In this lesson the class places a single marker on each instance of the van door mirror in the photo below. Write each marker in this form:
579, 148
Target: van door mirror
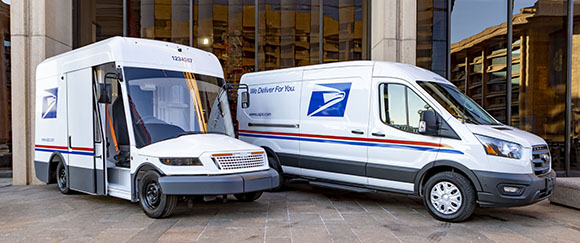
428, 123
105, 93
245, 99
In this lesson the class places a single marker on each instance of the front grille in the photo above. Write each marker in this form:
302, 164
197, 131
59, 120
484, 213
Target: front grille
239, 160
541, 160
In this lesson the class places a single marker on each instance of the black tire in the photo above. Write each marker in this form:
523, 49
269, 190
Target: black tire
62, 178
248, 196
154, 202
275, 164
445, 206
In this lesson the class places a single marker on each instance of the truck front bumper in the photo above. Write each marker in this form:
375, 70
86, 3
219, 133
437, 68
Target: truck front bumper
532, 188
220, 184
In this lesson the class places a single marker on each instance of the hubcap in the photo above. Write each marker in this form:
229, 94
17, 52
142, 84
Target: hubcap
62, 178
152, 194
446, 197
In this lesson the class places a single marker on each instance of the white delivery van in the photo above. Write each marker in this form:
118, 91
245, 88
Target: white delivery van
366, 125
142, 120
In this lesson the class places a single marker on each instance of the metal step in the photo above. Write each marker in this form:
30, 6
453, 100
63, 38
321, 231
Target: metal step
341, 187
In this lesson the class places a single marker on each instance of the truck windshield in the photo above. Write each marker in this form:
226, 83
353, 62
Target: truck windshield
166, 104
458, 104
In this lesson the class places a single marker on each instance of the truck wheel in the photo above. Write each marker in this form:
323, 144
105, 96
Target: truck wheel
248, 196
62, 178
275, 164
449, 196
152, 199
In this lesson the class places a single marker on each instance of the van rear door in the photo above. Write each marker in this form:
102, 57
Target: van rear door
397, 150
334, 123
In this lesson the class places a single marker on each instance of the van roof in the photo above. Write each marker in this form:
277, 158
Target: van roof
129, 51
380, 69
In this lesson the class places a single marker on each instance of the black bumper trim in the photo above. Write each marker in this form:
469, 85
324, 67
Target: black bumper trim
220, 184
535, 188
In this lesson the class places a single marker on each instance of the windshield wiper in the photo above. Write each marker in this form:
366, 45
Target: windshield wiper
466, 119
187, 133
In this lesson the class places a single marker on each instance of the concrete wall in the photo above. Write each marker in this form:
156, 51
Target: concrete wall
393, 30
39, 29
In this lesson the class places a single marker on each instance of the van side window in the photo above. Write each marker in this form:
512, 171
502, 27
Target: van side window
400, 107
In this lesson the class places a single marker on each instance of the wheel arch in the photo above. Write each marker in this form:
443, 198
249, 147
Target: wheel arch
141, 169
440, 166
55, 158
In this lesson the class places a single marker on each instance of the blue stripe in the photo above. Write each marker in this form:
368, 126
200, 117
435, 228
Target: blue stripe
385, 145
65, 152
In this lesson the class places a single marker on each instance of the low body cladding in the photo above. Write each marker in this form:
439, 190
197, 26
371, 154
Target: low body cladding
327, 128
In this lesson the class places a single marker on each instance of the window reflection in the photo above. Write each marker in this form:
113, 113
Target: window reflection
432, 35
166, 20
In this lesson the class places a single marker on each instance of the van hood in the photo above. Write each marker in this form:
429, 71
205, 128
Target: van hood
195, 145
507, 133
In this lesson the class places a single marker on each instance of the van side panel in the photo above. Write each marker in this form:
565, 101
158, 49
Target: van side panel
334, 123
273, 115
51, 124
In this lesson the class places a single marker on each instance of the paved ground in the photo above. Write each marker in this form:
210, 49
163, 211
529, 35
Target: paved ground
299, 214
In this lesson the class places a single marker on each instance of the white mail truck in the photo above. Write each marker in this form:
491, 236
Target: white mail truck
145, 121
367, 126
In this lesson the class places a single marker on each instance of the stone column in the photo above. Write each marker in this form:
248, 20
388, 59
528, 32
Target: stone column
39, 29
394, 30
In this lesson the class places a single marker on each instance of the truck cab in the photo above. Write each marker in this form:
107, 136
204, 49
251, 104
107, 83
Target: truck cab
145, 121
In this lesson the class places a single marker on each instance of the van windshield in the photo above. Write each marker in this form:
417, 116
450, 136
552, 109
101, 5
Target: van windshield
166, 104
458, 104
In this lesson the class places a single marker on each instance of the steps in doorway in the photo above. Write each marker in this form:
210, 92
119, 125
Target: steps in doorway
567, 192
5, 173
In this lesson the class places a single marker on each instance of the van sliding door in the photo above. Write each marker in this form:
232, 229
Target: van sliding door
81, 150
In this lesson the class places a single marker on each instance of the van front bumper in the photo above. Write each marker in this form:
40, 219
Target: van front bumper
220, 184
533, 188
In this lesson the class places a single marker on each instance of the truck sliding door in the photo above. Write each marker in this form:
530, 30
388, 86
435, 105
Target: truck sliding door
82, 164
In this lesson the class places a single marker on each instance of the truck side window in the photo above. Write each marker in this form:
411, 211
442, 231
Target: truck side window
400, 107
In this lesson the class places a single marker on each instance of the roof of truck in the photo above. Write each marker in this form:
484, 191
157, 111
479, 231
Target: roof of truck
129, 51
379, 69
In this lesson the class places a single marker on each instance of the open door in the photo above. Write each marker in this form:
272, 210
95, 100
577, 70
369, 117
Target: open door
85, 163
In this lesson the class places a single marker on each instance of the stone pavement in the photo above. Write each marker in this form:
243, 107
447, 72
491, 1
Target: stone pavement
299, 214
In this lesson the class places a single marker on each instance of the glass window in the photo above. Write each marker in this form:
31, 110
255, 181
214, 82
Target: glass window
401, 107
539, 73
166, 104
343, 27
432, 35
166, 20
96, 20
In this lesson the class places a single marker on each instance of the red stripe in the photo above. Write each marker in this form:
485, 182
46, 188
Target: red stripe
82, 149
64, 148
348, 138
51, 147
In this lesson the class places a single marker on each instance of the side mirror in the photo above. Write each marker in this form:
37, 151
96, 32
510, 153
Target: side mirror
245, 99
105, 93
428, 123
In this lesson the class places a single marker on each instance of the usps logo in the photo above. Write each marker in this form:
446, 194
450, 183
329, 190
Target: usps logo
49, 103
329, 100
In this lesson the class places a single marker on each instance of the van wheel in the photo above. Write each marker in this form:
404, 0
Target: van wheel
449, 196
248, 196
275, 164
62, 178
152, 199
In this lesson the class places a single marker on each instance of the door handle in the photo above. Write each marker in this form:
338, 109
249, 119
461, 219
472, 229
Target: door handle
357, 131
378, 134
69, 141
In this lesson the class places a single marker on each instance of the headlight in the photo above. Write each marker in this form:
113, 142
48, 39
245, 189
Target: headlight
497, 147
181, 161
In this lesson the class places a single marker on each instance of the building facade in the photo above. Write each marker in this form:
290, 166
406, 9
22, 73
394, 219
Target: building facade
523, 84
